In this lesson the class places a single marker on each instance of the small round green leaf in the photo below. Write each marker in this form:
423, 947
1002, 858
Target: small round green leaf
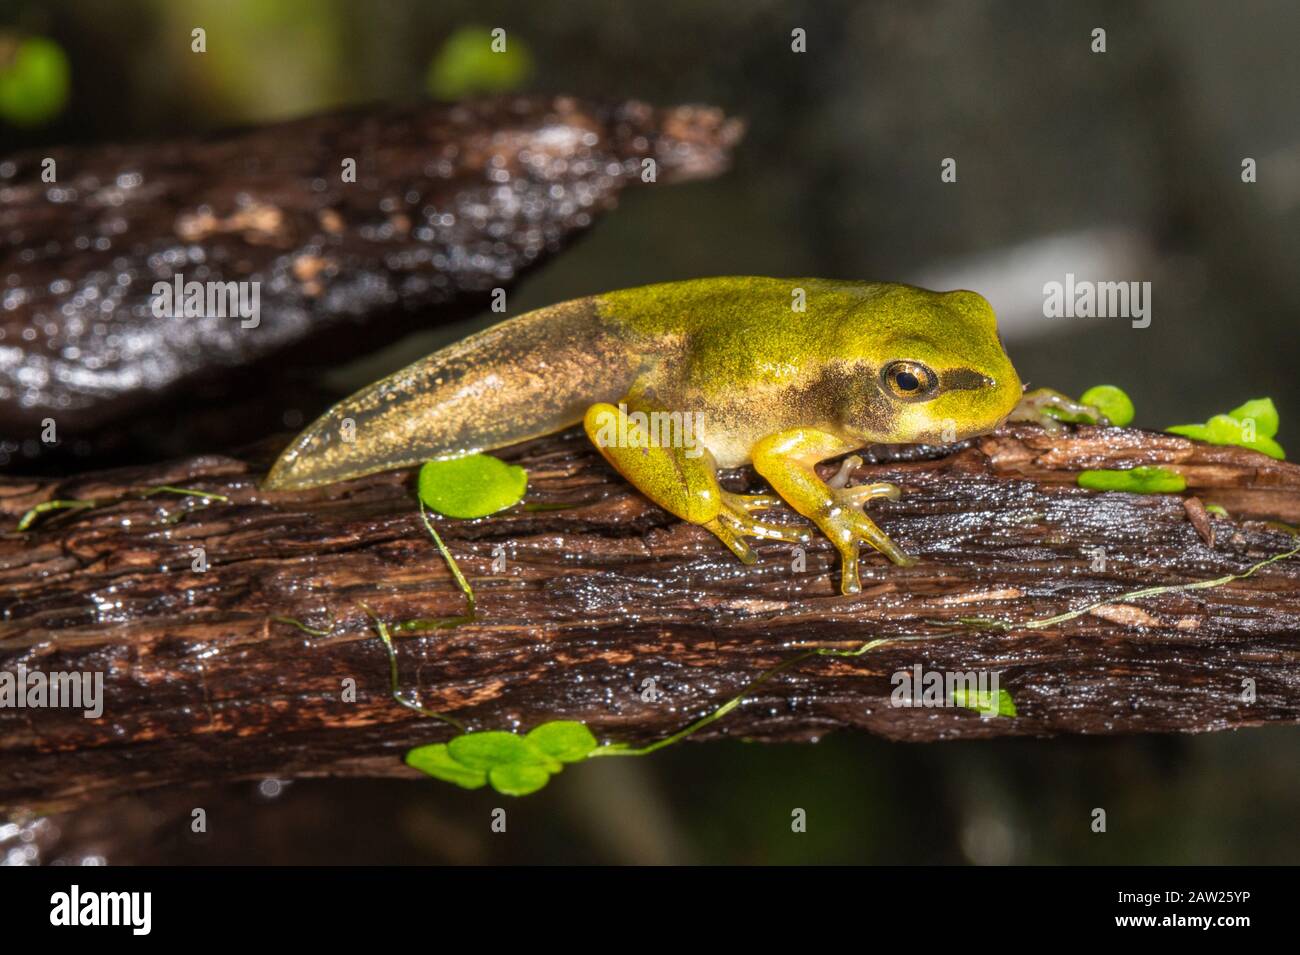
34, 83
490, 750
566, 740
1144, 480
472, 486
1110, 401
436, 760
474, 61
518, 780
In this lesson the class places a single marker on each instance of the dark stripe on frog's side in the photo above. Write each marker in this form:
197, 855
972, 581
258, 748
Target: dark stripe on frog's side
963, 379
846, 398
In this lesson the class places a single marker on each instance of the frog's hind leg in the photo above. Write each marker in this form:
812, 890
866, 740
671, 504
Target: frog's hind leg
681, 479
788, 460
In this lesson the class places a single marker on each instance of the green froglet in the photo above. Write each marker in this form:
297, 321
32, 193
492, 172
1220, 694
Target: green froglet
673, 381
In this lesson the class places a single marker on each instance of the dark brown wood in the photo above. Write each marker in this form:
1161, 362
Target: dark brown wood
597, 598
449, 201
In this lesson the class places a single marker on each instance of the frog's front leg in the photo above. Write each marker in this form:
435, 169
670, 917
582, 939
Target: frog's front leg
1034, 404
681, 478
788, 460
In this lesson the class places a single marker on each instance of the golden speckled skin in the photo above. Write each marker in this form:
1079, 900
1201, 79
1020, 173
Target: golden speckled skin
760, 379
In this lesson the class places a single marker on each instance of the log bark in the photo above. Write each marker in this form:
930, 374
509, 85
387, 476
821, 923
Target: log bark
445, 203
600, 591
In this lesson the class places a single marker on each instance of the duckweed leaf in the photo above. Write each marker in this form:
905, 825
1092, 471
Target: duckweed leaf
437, 761
471, 62
1143, 480
472, 486
518, 780
34, 82
566, 740
1110, 401
1251, 425
515, 765
498, 748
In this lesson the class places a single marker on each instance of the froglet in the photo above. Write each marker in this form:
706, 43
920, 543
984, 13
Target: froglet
673, 381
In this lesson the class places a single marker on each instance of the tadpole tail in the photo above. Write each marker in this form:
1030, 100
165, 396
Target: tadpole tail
520, 379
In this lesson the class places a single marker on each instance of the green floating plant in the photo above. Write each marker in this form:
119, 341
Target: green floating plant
475, 60
515, 765
1140, 480
1251, 425
473, 486
34, 81
983, 701
1110, 401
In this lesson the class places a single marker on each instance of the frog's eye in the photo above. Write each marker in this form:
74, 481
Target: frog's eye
908, 380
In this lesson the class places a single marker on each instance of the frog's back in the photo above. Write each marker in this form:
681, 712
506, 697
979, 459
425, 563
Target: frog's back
762, 335
743, 305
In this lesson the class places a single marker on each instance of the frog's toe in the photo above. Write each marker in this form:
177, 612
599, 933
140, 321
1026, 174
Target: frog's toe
734, 523
741, 523
841, 477
748, 503
849, 528
861, 494
725, 531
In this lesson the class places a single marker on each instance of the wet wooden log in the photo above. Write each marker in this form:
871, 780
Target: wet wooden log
443, 204
580, 605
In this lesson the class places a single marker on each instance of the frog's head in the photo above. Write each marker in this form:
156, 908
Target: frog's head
940, 371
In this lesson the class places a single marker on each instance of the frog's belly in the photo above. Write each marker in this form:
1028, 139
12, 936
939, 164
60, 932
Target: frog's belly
731, 447
730, 452
730, 430
730, 440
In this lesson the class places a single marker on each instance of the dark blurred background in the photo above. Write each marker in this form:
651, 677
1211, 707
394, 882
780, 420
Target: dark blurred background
1117, 166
